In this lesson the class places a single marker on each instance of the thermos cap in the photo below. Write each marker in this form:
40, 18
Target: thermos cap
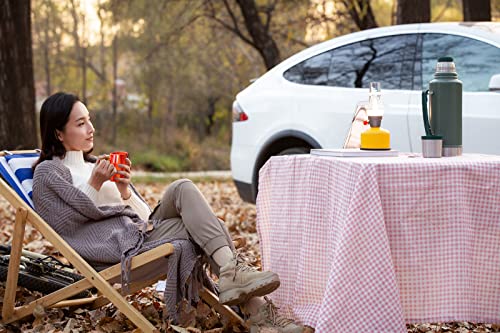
445, 65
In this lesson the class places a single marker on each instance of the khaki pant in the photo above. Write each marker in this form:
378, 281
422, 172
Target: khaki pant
185, 214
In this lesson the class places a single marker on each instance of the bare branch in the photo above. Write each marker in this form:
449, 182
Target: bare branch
168, 36
269, 10
294, 40
234, 29
99, 74
445, 8
233, 17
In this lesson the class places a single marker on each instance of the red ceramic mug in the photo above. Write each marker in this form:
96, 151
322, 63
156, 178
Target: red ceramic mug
115, 158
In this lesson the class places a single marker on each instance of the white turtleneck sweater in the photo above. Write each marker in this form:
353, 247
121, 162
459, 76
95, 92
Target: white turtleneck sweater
108, 194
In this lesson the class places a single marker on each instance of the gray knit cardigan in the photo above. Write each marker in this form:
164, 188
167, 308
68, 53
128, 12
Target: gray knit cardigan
107, 235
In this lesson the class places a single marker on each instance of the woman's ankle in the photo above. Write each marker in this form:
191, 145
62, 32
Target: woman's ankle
222, 256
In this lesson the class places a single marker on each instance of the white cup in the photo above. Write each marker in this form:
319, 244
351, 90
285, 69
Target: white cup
432, 146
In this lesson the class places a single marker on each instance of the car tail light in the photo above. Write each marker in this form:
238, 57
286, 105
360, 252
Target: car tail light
238, 113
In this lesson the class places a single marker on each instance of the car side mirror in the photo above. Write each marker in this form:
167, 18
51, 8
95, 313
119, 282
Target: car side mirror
494, 84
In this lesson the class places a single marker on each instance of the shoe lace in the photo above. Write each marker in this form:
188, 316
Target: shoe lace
273, 315
242, 266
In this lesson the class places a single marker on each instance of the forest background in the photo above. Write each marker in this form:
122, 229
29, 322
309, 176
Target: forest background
159, 77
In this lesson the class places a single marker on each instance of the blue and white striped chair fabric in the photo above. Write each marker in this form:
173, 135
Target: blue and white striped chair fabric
16, 169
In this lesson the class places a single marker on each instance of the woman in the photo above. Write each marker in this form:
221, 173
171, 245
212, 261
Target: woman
108, 222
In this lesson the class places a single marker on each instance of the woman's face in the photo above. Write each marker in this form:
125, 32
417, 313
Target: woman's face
78, 133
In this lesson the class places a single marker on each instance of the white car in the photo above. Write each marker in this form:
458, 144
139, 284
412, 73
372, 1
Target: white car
308, 100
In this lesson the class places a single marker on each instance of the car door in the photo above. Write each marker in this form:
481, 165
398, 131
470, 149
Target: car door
476, 62
334, 82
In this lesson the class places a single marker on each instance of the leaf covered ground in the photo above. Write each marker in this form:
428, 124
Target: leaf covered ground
240, 219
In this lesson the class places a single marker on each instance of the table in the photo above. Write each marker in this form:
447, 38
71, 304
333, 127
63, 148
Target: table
369, 244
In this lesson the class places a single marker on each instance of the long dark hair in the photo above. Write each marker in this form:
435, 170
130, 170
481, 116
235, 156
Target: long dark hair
54, 115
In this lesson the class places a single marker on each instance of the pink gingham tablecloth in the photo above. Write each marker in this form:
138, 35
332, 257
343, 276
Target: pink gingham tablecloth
370, 244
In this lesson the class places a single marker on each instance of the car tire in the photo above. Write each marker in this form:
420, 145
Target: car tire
287, 151
294, 151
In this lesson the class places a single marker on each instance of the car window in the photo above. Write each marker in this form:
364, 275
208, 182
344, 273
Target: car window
312, 71
388, 60
475, 61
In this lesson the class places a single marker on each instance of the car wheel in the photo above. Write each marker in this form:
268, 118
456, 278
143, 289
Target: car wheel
294, 151
286, 151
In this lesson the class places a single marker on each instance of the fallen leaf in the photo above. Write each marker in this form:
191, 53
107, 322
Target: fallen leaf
179, 329
69, 326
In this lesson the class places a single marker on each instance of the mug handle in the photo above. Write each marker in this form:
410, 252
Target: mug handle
427, 125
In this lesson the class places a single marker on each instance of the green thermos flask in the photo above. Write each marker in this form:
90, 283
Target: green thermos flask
444, 117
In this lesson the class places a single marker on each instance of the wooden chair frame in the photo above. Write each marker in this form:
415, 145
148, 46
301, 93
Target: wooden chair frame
99, 280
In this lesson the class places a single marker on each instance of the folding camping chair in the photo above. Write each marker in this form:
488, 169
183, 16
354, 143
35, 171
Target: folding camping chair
359, 124
15, 187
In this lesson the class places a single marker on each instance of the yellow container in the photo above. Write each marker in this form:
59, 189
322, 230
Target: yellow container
376, 138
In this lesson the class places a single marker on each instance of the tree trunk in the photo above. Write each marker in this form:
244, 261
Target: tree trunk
476, 10
46, 57
262, 41
151, 99
210, 121
17, 92
114, 103
361, 13
83, 60
102, 46
84, 74
413, 11
80, 49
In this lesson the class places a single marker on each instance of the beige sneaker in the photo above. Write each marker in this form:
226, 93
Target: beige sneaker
239, 282
268, 319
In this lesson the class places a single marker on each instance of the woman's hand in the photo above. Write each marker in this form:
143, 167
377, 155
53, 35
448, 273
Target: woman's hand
123, 181
103, 170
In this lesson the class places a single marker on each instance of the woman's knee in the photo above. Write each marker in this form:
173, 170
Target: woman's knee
179, 183
182, 182
179, 186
